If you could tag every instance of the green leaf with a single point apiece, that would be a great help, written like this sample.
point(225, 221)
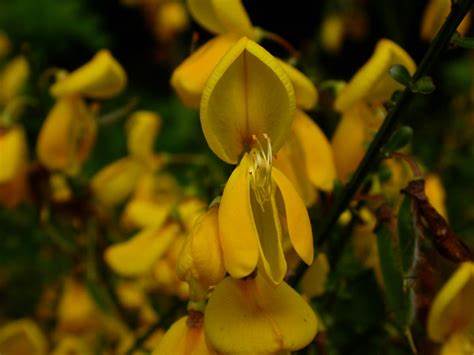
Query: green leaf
point(423, 86)
point(406, 236)
point(401, 138)
point(463, 42)
point(400, 74)
point(398, 301)
point(100, 296)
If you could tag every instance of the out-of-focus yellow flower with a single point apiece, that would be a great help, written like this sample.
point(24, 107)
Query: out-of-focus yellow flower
point(71, 345)
point(59, 188)
point(372, 83)
point(12, 79)
point(142, 129)
point(102, 77)
point(435, 193)
point(433, 17)
point(313, 282)
point(263, 221)
point(189, 209)
point(247, 96)
point(67, 136)
point(137, 255)
point(201, 257)
point(185, 337)
point(171, 18)
point(451, 318)
point(332, 33)
point(132, 296)
point(353, 134)
point(5, 45)
point(22, 337)
point(77, 311)
point(252, 316)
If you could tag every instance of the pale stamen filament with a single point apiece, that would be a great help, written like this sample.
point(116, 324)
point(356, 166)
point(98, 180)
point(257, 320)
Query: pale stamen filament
point(261, 169)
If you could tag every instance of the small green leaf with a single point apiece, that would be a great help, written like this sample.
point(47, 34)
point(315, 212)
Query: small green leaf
point(401, 138)
point(463, 42)
point(400, 74)
point(407, 236)
point(423, 86)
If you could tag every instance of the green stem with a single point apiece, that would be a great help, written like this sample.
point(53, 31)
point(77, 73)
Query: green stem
point(372, 157)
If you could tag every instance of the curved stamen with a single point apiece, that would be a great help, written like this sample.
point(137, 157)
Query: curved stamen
point(261, 169)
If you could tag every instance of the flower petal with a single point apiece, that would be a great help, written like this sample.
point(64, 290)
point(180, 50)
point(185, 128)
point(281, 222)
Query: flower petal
point(102, 77)
point(204, 13)
point(141, 213)
point(142, 129)
point(14, 151)
point(13, 78)
point(373, 83)
point(189, 78)
point(453, 310)
point(298, 224)
point(313, 282)
point(306, 95)
point(254, 317)
point(137, 255)
point(247, 94)
point(436, 195)
point(318, 154)
point(433, 17)
point(237, 229)
point(22, 336)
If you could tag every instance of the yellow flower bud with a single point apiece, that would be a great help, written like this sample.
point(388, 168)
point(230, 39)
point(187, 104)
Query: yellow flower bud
point(22, 337)
point(67, 136)
point(171, 18)
point(332, 33)
point(252, 316)
point(373, 83)
point(12, 78)
point(101, 78)
point(142, 129)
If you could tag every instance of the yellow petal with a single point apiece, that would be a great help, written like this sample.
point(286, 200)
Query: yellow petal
point(102, 77)
point(373, 83)
point(141, 213)
point(12, 78)
point(115, 182)
point(453, 310)
point(306, 94)
point(183, 339)
point(298, 225)
point(22, 337)
point(15, 191)
point(171, 19)
point(221, 16)
point(189, 209)
point(238, 234)
point(14, 153)
point(332, 33)
point(67, 135)
point(433, 18)
point(254, 317)
point(458, 344)
point(71, 345)
point(137, 255)
point(436, 195)
point(189, 78)
point(248, 94)
point(313, 282)
point(318, 155)
point(142, 129)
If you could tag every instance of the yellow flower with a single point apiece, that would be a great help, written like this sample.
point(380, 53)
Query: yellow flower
point(433, 17)
point(137, 255)
point(71, 345)
point(247, 96)
point(22, 337)
point(452, 311)
point(142, 129)
point(313, 282)
point(435, 193)
point(171, 18)
point(353, 134)
point(67, 135)
point(185, 337)
point(332, 33)
point(200, 259)
point(266, 212)
point(372, 83)
point(60, 190)
point(252, 316)
point(100, 78)
point(12, 79)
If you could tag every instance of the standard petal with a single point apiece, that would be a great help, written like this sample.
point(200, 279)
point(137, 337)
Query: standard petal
point(101, 78)
point(14, 152)
point(189, 78)
point(373, 83)
point(248, 94)
point(306, 95)
point(254, 317)
point(318, 155)
point(296, 217)
point(453, 310)
point(142, 129)
point(204, 13)
point(67, 135)
point(137, 255)
point(115, 182)
point(237, 230)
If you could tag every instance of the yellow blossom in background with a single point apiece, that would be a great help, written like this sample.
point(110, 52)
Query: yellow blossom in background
point(451, 318)
point(13, 78)
point(372, 83)
point(332, 33)
point(71, 345)
point(313, 282)
point(252, 316)
point(433, 17)
point(5, 45)
point(171, 18)
point(142, 129)
point(22, 337)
